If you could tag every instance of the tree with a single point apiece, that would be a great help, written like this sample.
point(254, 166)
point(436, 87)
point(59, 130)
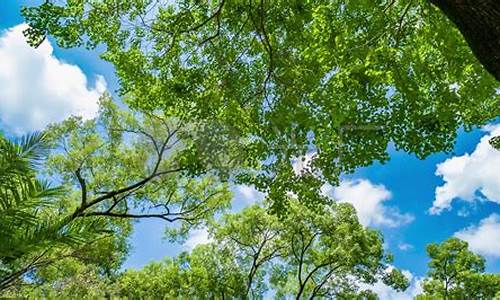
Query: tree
point(478, 21)
point(479, 24)
point(128, 165)
point(120, 166)
point(457, 273)
point(327, 253)
point(66, 279)
point(252, 254)
point(252, 239)
point(34, 233)
point(201, 274)
point(21, 192)
point(306, 254)
point(363, 74)
point(158, 280)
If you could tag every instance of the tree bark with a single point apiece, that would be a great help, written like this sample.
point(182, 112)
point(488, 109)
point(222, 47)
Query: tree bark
point(479, 23)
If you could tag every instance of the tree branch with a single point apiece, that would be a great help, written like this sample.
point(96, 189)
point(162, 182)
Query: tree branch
point(83, 185)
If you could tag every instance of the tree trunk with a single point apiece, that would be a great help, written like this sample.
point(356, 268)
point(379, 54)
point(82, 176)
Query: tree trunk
point(479, 23)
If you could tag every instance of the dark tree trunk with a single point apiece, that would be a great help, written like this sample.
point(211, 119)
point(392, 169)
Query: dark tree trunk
point(479, 23)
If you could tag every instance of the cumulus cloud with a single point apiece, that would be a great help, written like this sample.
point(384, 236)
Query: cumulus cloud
point(197, 237)
point(36, 88)
point(470, 177)
point(483, 238)
point(368, 200)
point(366, 197)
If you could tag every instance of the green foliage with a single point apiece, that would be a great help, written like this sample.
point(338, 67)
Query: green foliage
point(237, 92)
point(118, 167)
point(304, 254)
point(160, 280)
point(328, 253)
point(205, 273)
point(252, 239)
point(21, 193)
point(457, 273)
point(252, 254)
point(128, 165)
point(341, 78)
point(68, 278)
point(34, 232)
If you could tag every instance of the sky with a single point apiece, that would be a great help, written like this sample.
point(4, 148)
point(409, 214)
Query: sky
point(412, 202)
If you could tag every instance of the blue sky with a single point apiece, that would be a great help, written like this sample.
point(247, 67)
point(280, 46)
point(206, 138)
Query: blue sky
point(401, 191)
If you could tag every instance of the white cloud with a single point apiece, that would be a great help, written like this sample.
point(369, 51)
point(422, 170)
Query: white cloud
point(405, 246)
point(366, 197)
point(197, 237)
point(483, 239)
point(470, 177)
point(36, 88)
point(368, 200)
point(387, 293)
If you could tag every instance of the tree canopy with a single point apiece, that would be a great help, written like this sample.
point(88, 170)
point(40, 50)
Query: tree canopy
point(455, 272)
point(132, 165)
point(35, 231)
point(120, 166)
point(342, 79)
point(284, 96)
point(253, 254)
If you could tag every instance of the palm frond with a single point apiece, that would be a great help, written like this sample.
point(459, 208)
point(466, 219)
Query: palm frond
point(33, 147)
